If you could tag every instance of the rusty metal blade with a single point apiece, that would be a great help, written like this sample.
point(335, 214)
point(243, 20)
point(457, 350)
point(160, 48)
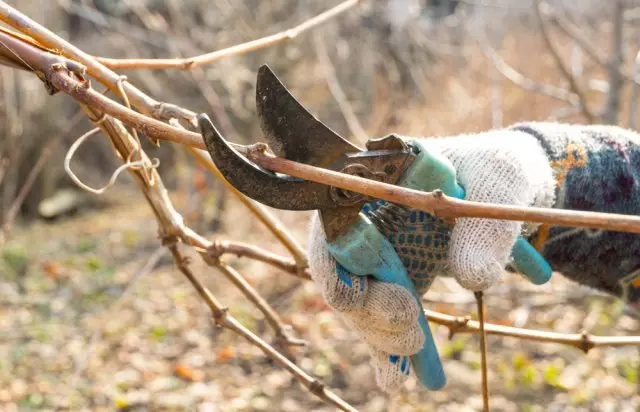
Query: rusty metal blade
point(266, 187)
point(290, 130)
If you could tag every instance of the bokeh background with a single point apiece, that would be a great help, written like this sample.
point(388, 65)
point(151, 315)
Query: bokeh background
point(93, 313)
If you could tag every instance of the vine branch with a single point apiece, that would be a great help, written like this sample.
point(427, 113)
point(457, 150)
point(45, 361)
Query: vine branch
point(433, 202)
point(224, 319)
point(582, 341)
point(37, 37)
point(191, 62)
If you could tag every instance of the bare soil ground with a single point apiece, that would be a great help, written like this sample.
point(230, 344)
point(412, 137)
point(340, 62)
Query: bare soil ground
point(82, 328)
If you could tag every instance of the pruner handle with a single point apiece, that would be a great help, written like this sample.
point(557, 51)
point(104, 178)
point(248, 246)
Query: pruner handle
point(363, 250)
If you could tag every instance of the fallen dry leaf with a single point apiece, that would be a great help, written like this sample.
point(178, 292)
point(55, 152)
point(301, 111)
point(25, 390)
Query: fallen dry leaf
point(225, 353)
point(188, 373)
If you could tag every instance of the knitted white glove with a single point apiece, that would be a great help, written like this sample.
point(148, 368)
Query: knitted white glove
point(500, 166)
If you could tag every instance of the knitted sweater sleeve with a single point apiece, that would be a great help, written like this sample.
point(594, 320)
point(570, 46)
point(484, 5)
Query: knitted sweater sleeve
point(596, 168)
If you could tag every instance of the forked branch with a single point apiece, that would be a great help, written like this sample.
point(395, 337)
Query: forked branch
point(223, 318)
point(41, 39)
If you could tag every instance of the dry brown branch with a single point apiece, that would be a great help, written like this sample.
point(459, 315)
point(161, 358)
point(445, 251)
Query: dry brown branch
point(188, 63)
point(221, 247)
point(147, 105)
point(573, 84)
point(444, 206)
point(433, 202)
point(582, 341)
point(483, 351)
point(222, 318)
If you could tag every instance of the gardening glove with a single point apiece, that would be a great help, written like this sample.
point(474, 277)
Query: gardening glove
point(499, 170)
point(535, 164)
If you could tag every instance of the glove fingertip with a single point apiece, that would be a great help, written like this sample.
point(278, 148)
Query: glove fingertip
point(392, 371)
point(478, 276)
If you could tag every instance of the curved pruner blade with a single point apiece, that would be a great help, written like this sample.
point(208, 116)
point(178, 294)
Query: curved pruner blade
point(281, 192)
point(290, 130)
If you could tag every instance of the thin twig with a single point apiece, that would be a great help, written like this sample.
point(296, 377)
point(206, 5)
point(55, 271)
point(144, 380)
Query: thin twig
point(271, 222)
point(188, 63)
point(574, 32)
point(336, 90)
point(616, 81)
point(223, 318)
point(47, 150)
point(483, 352)
point(526, 83)
point(221, 247)
point(582, 341)
point(573, 84)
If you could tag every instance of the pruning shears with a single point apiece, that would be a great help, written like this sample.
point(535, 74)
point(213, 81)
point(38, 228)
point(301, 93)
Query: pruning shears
point(352, 238)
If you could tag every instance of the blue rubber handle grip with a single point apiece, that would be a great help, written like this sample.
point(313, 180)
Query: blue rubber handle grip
point(528, 261)
point(363, 250)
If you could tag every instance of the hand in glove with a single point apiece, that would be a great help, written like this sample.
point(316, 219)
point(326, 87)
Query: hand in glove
point(593, 168)
point(497, 167)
